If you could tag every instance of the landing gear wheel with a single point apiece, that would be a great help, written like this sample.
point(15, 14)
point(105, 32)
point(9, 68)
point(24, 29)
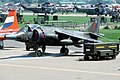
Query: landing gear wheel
point(113, 57)
point(38, 53)
point(1, 47)
point(64, 51)
point(86, 57)
point(27, 48)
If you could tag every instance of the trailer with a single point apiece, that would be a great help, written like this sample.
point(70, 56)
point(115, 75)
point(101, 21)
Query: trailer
point(98, 51)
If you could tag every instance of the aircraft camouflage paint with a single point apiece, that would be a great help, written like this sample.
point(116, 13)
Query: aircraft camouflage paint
point(50, 36)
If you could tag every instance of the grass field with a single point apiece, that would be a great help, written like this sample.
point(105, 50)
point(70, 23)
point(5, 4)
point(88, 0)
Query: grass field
point(77, 19)
point(112, 35)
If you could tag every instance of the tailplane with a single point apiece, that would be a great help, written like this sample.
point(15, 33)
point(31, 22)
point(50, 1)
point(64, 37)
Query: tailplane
point(11, 21)
point(94, 28)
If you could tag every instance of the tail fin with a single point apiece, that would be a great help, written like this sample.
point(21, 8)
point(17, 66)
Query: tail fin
point(11, 21)
point(94, 28)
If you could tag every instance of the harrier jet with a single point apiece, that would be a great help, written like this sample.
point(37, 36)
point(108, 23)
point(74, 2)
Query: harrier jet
point(42, 36)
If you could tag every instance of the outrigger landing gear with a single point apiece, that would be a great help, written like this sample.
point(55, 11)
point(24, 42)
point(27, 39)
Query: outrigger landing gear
point(27, 48)
point(64, 50)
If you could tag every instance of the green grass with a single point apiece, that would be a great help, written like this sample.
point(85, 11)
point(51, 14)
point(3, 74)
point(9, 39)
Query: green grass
point(111, 35)
point(76, 19)
point(1, 24)
point(1, 3)
point(80, 20)
point(29, 17)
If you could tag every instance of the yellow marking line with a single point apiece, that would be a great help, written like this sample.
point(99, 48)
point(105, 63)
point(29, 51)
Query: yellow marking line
point(100, 47)
point(58, 69)
point(112, 46)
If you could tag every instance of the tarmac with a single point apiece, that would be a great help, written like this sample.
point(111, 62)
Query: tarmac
point(18, 64)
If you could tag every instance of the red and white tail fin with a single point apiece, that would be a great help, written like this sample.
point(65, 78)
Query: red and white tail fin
point(11, 21)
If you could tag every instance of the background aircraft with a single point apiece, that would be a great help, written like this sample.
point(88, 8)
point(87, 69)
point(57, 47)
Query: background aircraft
point(116, 5)
point(98, 9)
point(44, 8)
point(10, 26)
point(51, 36)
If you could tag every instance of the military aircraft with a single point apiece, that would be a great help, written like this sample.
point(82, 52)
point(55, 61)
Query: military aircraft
point(115, 5)
point(98, 9)
point(50, 36)
point(10, 26)
point(44, 8)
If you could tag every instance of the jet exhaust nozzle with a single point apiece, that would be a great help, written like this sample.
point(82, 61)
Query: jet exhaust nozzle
point(38, 35)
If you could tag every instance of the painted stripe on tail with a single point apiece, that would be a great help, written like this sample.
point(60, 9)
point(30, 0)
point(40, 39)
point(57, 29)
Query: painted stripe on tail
point(94, 28)
point(11, 21)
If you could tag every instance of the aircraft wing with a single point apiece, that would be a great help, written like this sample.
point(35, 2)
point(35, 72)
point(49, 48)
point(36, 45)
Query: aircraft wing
point(77, 35)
